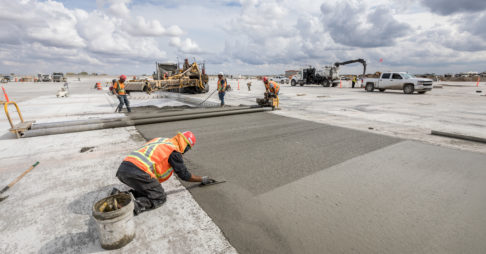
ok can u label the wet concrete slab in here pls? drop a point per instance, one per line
(258, 153)
(406, 198)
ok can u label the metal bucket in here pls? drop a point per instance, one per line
(114, 220)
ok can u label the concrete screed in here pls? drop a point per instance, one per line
(49, 210)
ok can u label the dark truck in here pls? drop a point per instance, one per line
(6, 79)
(58, 77)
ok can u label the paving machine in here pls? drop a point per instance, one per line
(169, 77)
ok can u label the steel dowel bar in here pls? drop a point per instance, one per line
(458, 136)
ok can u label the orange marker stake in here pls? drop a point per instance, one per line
(5, 94)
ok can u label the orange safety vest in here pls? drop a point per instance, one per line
(222, 88)
(119, 88)
(273, 87)
(153, 157)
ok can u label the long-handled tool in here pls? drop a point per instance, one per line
(194, 186)
(16, 180)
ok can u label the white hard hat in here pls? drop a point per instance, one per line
(220, 74)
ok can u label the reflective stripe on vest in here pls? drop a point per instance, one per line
(220, 87)
(144, 157)
(273, 87)
(119, 89)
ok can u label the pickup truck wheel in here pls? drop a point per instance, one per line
(370, 87)
(422, 92)
(408, 89)
(326, 83)
(382, 90)
(301, 84)
(293, 83)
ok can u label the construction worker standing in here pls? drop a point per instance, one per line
(353, 81)
(120, 92)
(221, 88)
(153, 163)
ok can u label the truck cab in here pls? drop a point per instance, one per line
(58, 77)
(326, 76)
(46, 78)
(399, 81)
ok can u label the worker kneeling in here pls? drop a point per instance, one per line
(144, 169)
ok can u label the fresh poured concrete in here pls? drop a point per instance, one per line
(301, 187)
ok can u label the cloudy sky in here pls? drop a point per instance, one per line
(242, 36)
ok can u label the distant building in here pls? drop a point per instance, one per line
(291, 73)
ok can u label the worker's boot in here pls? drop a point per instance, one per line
(114, 191)
(137, 209)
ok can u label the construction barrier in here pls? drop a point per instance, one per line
(98, 86)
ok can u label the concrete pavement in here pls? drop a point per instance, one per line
(455, 109)
(49, 210)
(301, 187)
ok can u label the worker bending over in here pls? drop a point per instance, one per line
(153, 163)
(120, 92)
(271, 88)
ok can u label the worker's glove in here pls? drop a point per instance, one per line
(207, 180)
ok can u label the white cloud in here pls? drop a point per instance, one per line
(252, 36)
(352, 23)
(44, 31)
(115, 7)
(185, 46)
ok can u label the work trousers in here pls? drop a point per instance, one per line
(123, 100)
(353, 84)
(271, 95)
(148, 192)
(221, 97)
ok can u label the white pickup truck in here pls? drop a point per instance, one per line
(398, 81)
